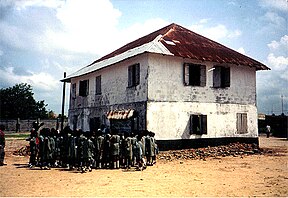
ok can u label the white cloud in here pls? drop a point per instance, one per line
(87, 26)
(281, 45)
(241, 50)
(138, 30)
(278, 56)
(273, 45)
(279, 63)
(215, 32)
(41, 81)
(275, 4)
(45, 86)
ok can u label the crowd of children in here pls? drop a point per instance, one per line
(83, 151)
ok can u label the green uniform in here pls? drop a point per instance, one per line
(99, 151)
(115, 150)
(33, 151)
(128, 152)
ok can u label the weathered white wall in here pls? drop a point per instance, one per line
(170, 120)
(114, 82)
(114, 88)
(170, 103)
(165, 83)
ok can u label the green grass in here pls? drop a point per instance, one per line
(17, 135)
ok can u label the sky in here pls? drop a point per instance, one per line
(42, 39)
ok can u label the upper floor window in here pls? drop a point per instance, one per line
(134, 75)
(98, 85)
(84, 88)
(198, 124)
(73, 91)
(194, 75)
(221, 77)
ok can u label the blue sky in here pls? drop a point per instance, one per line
(40, 39)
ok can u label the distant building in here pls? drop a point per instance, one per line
(186, 88)
(278, 124)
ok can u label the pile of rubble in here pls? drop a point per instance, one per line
(23, 151)
(233, 149)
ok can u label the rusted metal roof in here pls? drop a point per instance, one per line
(174, 40)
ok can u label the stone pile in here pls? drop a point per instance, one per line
(233, 149)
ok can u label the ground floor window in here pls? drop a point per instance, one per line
(241, 123)
(198, 124)
(95, 123)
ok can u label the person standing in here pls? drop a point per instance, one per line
(90, 152)
(128, 151)
(115, 149)
(2, 145)
(33, 143)
(268, 130)
(99, 149)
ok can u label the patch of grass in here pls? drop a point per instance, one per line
(17, 135)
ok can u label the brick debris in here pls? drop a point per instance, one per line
(232, 149)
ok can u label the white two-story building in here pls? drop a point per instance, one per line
(186, 88)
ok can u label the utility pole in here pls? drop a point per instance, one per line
(63, 103)
(282, 103)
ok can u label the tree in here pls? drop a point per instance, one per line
(51, 115)
(18, 102)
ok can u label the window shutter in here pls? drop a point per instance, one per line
(73, 91)
(202, 75)
(87, 88)
(244, 122)
(241, 123)
(203, 124)
(186, 74)
(191, 124)
(81, 87)
(98, 85)
(217, 77)
(226, 82)
(238, 122)
(137, 74)
(130, 74)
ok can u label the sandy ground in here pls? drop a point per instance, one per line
(256, 175)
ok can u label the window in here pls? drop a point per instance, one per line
(241, 123)
(134, 75)
(74, 122)
(98, 85)
(95, 124)
(73, 91)
(84, 88)
(221, 77)
(198, 124)
(194, 75)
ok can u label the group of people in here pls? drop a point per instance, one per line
(83, 151)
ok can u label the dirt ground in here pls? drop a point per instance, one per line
(254, 175)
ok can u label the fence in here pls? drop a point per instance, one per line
(26, 125)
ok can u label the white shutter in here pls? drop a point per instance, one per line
(186, 74)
